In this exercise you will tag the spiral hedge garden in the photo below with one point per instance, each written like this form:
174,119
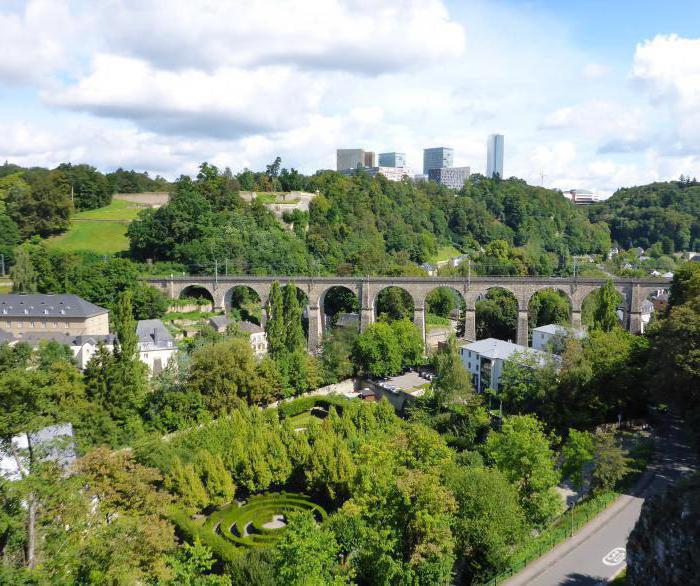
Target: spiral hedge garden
244,524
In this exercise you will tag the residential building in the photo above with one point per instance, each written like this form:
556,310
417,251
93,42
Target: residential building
50,444
436,158
484,359
392,160
83,347
452,177
46,313
258,338
494,155
351,159
581,197
219,323
551,337
647,310
156,344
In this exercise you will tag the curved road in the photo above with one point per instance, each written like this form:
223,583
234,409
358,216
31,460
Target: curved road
596,553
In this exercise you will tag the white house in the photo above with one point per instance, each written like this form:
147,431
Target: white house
258,338
54,443
647,308
551,337
156,344
484,359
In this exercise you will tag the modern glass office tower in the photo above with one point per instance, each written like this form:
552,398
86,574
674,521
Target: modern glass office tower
392,160
494,156
436,158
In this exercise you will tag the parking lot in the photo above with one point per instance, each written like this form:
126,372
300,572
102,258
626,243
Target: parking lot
409,382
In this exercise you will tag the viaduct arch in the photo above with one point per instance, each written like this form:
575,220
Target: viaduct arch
633,292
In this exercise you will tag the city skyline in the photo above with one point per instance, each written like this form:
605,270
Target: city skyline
115,85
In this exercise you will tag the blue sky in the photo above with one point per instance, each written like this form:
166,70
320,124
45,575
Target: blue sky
591,94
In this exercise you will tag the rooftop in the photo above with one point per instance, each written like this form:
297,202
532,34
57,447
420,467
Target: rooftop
250,327
47,305
34,338
153,331
559,330
219,321
498,349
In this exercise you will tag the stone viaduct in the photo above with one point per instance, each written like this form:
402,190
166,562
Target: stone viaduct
633,292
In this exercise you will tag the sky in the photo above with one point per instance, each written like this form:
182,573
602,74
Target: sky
590,95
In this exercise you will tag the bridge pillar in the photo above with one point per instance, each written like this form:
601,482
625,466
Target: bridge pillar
634,317
576,318
366,318
470,324
523,328
315,335
419,320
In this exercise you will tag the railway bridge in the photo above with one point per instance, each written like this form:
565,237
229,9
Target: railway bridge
471,289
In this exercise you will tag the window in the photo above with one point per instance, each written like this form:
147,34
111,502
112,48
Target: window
31,324
66,325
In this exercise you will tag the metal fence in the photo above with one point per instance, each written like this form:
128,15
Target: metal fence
546,543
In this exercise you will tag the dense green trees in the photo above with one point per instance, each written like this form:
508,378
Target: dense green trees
385,349
522,452
666,213
606,301
497,315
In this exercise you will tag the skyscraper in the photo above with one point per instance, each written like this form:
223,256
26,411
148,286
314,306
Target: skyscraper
494,156
392,160
354,158
436,158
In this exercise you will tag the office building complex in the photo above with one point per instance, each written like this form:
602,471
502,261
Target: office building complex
391,173
494,156
436,158
392,160
354,158
453,177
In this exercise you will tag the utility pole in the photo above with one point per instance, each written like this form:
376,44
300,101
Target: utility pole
216,272
542,176
226,266
469,273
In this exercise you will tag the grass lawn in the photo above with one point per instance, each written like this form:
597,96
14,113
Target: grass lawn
444,253
104,237
276,197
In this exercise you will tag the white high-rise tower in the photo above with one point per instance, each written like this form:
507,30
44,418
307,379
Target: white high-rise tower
494,156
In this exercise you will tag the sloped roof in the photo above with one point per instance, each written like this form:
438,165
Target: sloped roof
219,321
559,330
249,327
153,331
47,306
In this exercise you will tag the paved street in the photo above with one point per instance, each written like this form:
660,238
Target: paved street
597,552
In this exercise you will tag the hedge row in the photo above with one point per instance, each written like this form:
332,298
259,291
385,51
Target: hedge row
303,404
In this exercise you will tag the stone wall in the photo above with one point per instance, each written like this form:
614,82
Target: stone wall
664,546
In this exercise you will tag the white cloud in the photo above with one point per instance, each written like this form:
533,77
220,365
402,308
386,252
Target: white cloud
33,41
229,102
354,35
596,71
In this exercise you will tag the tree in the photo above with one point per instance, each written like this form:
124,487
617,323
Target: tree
225,375
217,481
497,315
307,554
274,326
604,313
522,452
184,481
410,341
489,521
452,382
191,566
293,332
23,274
611,461
441,301
89,188
577,452
45,209
377,352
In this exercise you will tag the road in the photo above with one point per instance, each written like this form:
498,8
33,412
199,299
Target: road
596,553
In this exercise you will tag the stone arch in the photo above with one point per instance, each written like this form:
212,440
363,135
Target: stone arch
450,305
197,291
247,301
380,299
333,301
586,304
488,323
562,292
